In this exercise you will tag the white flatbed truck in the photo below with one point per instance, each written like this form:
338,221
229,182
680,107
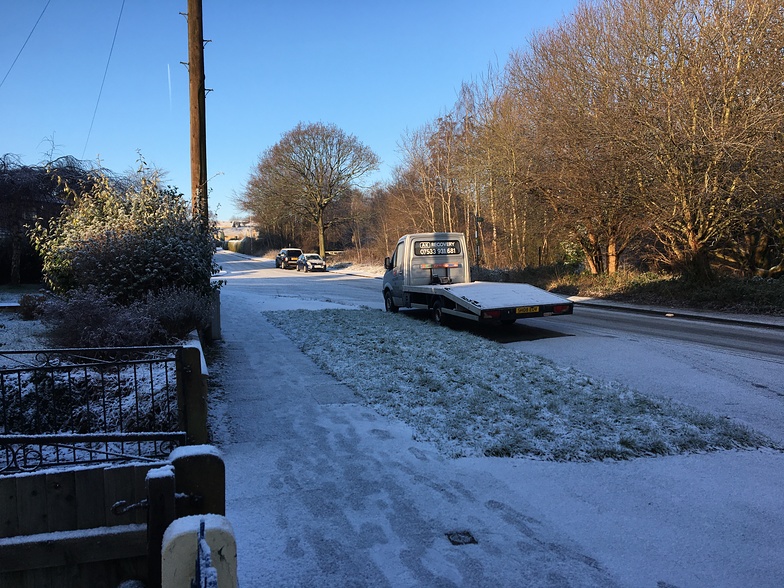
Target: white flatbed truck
431,271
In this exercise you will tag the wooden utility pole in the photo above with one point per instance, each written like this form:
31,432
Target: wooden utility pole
199,206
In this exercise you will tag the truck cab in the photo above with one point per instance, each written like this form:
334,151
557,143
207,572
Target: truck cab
423,259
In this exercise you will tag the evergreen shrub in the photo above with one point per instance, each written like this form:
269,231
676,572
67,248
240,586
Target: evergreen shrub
127,266
126,243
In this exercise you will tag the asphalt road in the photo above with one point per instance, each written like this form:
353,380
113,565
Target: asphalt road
742,334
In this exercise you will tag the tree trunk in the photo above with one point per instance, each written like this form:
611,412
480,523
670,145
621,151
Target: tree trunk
16,260
322,241
593,254
612,255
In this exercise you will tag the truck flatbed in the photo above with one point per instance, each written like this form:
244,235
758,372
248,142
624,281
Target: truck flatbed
486,295
431,271
490,300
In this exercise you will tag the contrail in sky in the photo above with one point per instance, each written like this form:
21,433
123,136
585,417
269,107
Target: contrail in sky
168,71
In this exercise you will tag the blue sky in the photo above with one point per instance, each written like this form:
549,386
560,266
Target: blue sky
374,69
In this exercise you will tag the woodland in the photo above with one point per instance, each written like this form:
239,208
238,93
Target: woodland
633,134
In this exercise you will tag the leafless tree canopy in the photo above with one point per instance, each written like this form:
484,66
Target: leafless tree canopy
308,172
645,132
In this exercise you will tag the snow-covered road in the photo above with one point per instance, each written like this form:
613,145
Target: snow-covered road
323,491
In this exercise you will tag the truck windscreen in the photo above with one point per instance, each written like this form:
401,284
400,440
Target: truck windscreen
449,247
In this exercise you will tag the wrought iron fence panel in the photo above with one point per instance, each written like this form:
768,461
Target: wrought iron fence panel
64,406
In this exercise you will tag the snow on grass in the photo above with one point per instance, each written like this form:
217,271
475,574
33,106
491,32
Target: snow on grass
18,334
474,397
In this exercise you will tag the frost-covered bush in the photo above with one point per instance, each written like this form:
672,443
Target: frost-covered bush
126,242
179,311
90,318
31,306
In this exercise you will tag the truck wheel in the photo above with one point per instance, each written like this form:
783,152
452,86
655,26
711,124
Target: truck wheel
389,304
437,312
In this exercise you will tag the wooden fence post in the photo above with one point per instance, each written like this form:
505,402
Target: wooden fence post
160,484
200,471
192,395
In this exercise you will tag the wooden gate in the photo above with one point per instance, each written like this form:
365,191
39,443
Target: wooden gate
57,528
98,526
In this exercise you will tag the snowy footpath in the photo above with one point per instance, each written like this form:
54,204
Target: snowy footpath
322,491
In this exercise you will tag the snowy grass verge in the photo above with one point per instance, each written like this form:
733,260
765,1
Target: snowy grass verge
474,397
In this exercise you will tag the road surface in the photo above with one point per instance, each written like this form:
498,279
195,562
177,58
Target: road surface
322,491
724,367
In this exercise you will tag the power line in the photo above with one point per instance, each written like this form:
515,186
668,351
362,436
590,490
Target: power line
25,43
103,81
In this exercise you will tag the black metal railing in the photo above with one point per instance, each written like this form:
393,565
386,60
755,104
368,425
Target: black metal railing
67,406
206,576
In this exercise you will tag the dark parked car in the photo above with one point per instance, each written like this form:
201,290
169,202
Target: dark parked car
287,258
311,262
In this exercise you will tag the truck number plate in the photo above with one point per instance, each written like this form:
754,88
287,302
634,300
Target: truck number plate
526,309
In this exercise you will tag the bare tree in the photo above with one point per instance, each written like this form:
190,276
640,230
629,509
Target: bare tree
708,97
277,221
310,168
418,180
507,147
573,80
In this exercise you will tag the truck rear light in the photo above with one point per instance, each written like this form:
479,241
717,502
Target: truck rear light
560,308
491,314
